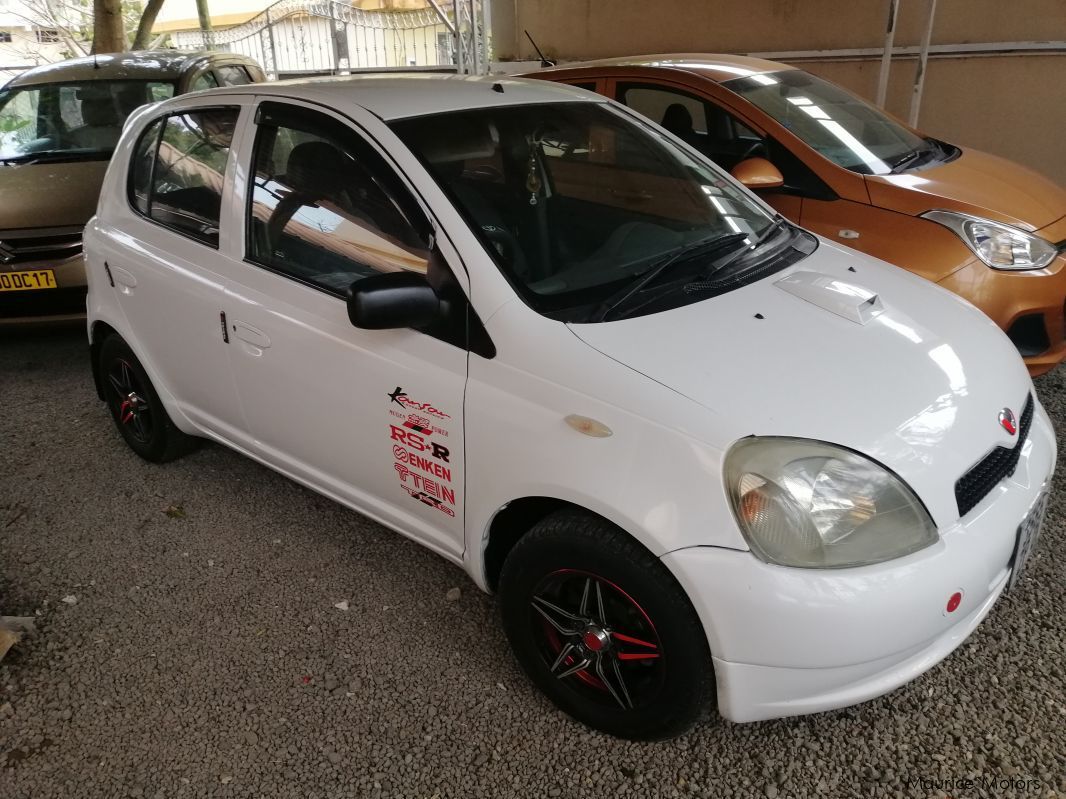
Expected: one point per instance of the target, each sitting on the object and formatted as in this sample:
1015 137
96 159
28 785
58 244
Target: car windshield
576 200
70 121
842 127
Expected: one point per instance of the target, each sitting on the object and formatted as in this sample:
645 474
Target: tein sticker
421 464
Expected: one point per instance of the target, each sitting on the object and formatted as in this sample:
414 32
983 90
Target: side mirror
393 300
758 173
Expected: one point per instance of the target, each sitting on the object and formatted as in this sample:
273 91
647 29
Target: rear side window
177 173
206 80
233 76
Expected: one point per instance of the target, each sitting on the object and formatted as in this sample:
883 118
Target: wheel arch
99 331
514 519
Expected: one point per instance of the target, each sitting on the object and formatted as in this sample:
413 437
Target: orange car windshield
840 126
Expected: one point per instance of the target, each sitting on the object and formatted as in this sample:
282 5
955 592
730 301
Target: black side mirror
393 300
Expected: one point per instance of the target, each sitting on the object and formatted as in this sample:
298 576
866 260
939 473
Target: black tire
666 677
135 406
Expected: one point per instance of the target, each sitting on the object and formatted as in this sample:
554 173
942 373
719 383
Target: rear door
164 259
370 417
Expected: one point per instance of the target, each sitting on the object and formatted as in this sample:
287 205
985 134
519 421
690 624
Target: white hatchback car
693 447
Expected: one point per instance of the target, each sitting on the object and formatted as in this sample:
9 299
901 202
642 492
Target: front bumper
65 301
1029 306
791 641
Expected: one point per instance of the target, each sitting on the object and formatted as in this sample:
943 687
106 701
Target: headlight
808 504
998 245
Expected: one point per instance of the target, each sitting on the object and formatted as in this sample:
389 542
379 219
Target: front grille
1001 462
20 249
48 302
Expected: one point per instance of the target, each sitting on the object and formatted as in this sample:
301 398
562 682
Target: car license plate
28 280
1028 533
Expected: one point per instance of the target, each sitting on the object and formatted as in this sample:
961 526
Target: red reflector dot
954 601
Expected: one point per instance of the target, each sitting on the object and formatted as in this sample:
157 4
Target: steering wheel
752 149
504 242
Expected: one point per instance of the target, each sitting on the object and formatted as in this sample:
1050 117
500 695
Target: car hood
974 183
876 360
49 195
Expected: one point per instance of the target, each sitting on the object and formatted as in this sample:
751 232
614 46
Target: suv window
185 167
205 80
323 210
232 76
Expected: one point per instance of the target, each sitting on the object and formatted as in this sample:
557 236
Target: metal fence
302 37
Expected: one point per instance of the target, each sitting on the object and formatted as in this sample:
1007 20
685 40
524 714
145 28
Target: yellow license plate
28 280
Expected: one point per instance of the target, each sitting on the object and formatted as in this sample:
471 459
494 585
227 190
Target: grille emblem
1008 421
7 255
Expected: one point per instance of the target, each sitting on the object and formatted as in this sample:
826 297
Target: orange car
987 229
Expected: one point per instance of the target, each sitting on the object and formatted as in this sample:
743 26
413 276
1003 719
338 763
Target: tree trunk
205 22
109 34
144 29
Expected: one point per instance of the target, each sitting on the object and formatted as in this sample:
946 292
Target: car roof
404 95
139 64
716 67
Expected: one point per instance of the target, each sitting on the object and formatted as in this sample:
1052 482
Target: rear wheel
137 410
603 628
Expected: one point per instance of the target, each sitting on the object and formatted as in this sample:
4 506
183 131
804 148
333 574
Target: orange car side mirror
758 173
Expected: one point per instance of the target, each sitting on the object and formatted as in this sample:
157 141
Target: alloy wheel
597 636
127 401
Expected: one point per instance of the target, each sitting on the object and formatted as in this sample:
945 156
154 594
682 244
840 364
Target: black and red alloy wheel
599 636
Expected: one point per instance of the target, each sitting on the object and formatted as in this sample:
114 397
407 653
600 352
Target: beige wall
1011 105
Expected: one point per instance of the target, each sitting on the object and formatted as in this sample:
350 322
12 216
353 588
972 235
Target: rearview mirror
393 300
758 173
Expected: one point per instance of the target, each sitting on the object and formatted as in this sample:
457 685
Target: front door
373 418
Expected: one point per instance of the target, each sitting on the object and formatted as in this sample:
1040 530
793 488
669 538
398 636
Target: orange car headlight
1000 246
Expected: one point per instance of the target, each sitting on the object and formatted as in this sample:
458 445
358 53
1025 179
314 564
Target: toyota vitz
695 449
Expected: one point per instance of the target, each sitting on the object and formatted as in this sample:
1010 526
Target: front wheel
603 628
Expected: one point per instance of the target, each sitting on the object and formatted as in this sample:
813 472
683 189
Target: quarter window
141 167
323 208
185 168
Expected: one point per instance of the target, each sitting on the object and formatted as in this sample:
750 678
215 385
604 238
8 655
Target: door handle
250 335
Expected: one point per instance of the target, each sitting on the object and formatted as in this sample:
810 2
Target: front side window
706 126
187 172
322 210
71 121
575 201
840 126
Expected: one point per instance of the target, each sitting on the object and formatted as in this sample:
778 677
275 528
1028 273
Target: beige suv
58 126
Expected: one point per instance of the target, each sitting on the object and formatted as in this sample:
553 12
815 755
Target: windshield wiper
908 159
705 281
681 254
52 155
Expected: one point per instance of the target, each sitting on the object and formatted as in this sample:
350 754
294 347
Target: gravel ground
189 645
